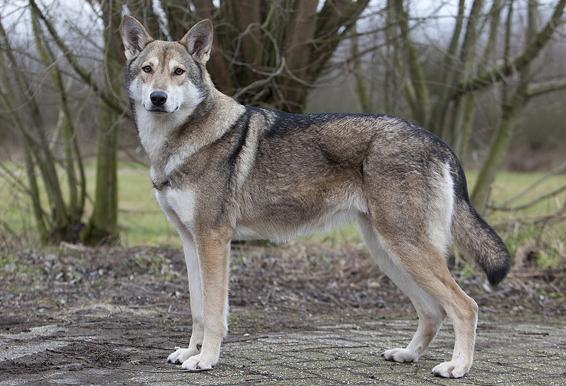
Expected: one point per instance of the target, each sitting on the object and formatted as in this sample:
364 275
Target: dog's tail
475 238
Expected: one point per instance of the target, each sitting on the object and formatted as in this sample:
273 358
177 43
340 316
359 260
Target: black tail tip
495 276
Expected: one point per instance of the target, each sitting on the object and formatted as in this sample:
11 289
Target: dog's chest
179 205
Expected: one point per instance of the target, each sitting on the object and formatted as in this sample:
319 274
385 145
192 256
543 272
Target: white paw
451 369
400 355
181 355
199 362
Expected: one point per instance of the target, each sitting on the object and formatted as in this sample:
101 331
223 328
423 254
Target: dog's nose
158 98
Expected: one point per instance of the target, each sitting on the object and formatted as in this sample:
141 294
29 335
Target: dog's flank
223 171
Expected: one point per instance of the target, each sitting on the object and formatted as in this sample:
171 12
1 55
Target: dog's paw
400 355
199 362
451 369
181 354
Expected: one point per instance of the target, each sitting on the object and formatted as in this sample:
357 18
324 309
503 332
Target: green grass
509 184
142 222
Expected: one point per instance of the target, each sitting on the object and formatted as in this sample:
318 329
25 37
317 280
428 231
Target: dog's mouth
160 110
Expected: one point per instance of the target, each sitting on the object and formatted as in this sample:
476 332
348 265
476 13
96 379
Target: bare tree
58 219
513 104
269 52
447 105
103 224
265 53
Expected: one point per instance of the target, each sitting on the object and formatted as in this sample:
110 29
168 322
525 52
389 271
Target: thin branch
531 203
537 89
261 82
86 76
560 169
499 73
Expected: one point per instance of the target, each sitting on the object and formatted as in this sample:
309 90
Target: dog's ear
199 40
134 37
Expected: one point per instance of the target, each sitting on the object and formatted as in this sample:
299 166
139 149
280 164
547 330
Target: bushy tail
475 238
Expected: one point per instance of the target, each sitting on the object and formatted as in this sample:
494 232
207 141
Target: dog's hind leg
425 266
430 313
430 271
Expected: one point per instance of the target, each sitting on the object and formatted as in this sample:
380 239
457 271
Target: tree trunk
462 105
504 132
103 224
415 86
361 89
438 117
497 151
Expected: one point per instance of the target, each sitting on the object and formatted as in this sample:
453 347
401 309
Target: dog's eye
179 71
146 69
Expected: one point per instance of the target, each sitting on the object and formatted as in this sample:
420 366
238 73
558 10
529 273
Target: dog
223 171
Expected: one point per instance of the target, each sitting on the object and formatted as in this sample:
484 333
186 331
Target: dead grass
306 278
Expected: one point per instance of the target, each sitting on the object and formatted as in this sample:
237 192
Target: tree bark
438 117
504 132
103 224
416 86
462 106
361 90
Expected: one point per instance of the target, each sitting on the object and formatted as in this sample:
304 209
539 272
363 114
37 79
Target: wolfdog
224 171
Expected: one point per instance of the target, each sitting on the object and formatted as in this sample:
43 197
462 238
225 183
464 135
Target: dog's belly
180 205
283 217
273 230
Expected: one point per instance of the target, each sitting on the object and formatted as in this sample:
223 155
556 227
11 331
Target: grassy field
143 223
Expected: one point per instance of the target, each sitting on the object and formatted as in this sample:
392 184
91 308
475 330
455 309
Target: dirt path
103 344
299 316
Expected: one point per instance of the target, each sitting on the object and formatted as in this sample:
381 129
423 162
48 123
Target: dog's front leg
196 293
214 251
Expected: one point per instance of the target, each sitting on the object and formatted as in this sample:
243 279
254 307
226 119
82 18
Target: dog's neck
170 140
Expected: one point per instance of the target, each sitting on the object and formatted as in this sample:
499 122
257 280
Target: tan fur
214 250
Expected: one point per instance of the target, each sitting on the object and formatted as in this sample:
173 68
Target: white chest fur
178 205
154 129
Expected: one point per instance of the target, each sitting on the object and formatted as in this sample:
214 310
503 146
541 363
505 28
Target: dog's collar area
160 185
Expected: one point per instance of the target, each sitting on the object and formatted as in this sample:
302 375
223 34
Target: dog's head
167 77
